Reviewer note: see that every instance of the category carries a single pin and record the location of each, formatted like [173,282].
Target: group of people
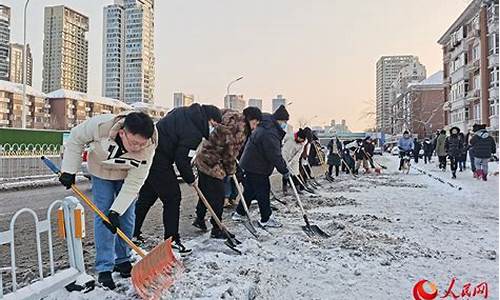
[477,144]
[131,162]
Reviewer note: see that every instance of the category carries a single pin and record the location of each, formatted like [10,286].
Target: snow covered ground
[388,231]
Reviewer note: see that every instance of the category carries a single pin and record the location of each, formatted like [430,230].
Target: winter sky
[320,54]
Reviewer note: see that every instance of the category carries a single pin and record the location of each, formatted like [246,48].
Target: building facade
[235,102]
[470,61]
[11,98]
[16,64]
[4,41]
[387,70]
[181,99]
[128,51]
[255,103]
[70,108]
[155,111]
[277,102]
[399,98]
[65,50]
[426,106]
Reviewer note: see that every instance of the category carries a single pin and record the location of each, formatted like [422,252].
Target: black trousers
[453,164]
[427,157]
[257,187]
[442,162]
[286,183]
[213,190]
[330,169]
[163,184]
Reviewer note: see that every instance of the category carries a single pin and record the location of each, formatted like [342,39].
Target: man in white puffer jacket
[121,149]
[291,151]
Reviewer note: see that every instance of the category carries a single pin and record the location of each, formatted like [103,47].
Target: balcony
[4,122]
[473,66]
[493,93]
[473,95]
[493,61]
[472,35]
[4,99]
[447,106]
[4,110]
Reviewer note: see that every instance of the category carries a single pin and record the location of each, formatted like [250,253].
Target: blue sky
[320,54]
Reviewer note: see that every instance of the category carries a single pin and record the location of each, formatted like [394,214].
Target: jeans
[472,163]
[257,187]
[230,191]
[481,164]
[213,190]
[161,183]
[110,248]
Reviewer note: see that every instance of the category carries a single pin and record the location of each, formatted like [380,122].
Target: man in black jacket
[454,147]
[179,134]
[483,145]
[261,155]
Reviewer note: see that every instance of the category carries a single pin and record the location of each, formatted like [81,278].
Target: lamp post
[231,83]
[23,106]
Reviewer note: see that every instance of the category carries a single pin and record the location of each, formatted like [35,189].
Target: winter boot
[178,247]
[237,217]
[285,190]
[272,223]
[453,175]
[200,224]
[485,176]
[106,280]
[124,269]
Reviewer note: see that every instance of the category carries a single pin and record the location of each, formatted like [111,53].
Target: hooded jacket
[405,144]
[263,149]
[217,156]
[291,153]
[180,133]
[104,161]
[483,145]
[454,144]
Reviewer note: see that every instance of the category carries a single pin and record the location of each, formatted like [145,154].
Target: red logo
[424,290]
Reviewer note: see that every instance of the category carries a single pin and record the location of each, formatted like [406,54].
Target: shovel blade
[249,226]
[156,272]
[232,246]
[319,231]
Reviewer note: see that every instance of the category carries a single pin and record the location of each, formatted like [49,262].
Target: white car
[395,151]
[377,151]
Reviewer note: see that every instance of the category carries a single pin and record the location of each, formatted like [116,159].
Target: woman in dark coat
[334,160]
[454,147]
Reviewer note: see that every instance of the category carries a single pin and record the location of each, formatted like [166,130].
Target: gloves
[195,182]
[286,176]
[67,179]
[114,221]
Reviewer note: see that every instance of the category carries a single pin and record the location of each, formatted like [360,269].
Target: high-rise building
[388,68]
[181,99]
[236,102]
[4,41]
[128,51]
[400,104]
[65,50]
[278,101]
[470,62]
[16,64]
[255,103]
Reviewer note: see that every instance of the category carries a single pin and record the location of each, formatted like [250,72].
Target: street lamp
[231,83]
[23,107]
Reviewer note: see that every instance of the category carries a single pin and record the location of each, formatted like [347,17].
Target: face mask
[211,129]
[284,126]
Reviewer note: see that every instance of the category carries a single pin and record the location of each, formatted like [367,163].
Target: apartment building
[16,64]
[65,50]
[4,41]
[235,102]
[255,103]
[470,61]
[181,99]
[11,99]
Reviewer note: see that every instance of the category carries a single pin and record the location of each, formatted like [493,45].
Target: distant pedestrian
[463,157]
[417,147]
[441,150]
[334,159]
[454,148]
[483,147]
[428,149]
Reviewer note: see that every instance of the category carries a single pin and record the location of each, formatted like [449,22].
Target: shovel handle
[91,204]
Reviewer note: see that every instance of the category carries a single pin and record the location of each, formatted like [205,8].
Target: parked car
[395,151]
[377,151]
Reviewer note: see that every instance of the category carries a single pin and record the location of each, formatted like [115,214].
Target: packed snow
[388,231]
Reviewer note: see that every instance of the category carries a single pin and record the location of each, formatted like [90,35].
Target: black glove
[114,221]
[67,180]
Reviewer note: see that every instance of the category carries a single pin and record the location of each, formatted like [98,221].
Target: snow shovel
[310,230]
[248,223]
[301,182]
[348,168]
[230,242]
[156,271]
[314,183]
[376,162]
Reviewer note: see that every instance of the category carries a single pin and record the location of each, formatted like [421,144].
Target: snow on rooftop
[434,79]
[140,105]
[17,88]
[62,93]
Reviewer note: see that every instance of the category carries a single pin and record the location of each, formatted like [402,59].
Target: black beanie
[301,134]
[252,113]
[212,113]
[281,114]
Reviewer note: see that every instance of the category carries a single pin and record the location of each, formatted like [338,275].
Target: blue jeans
[230,191]
[481,164]
[110,249]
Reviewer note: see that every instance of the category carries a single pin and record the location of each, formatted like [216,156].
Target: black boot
[124,269]
[200,224]
[106,280]
[178,247]
[454,175]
